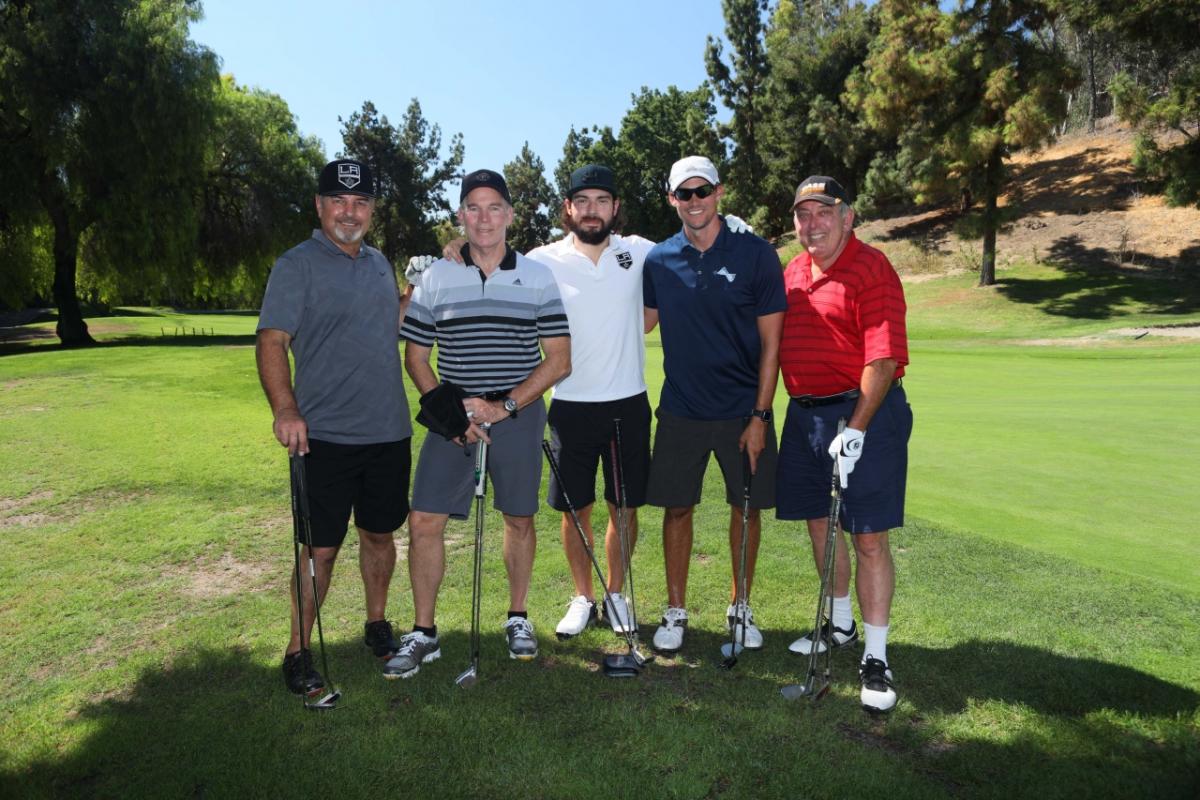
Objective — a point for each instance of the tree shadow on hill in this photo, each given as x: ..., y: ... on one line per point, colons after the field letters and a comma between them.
x: 217, y: 724
x: 1080, y: 183
x: 1092, y: 286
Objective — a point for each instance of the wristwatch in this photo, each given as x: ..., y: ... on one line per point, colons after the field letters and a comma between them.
x: 510, y: 406
x: 762, y: 413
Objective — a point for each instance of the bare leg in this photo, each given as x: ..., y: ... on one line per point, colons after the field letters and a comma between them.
x: 818, y: 531
x: 377, y: 562
x: 753, y: 536
x: 520, y: 545
x: 426, y: 562
x: 677, y: 552
x: 577, y: 558
x: 875, y: 576
x: 323, y: 560
x: 612, y: 546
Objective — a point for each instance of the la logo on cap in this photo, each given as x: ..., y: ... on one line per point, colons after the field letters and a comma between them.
x: 348, y: 175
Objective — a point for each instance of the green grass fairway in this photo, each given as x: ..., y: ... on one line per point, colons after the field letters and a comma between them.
x: 1046, y: 630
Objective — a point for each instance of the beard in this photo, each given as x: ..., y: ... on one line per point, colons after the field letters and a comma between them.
x: 586, y: 236
x: 352, y: 236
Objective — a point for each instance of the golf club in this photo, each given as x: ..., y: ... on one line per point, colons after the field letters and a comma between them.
x: 467, y: 677
x: 824, y: 597
x: 302, y: 532
x: 734, y: 647
x: 626, y: 666
x: 621, y: 666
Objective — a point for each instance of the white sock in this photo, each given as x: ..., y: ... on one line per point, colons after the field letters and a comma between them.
x: 843, y: 616
x: 876, y: 642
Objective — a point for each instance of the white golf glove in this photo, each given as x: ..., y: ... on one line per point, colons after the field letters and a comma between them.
x: 417, y: 265
x: 737, y: 224
x: 846, y: 447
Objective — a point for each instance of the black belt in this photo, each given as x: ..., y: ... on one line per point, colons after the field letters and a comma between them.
x: 813, y: 401
x: 499, y: 394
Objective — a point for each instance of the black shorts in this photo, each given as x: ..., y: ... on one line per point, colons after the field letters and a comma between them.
x: 681, y: 450
x: 581, y: 434
x: 371, y: 479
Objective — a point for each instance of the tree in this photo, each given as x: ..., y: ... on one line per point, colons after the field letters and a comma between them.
x: 532, y: 199
x: 741, y: 88
x: 104, y: 105
x: 808, y: 129
x: 410, y: 174
x: 962, y: 91
x: 660, y: 128
x: 1156, y: 85
x: 256, y: 200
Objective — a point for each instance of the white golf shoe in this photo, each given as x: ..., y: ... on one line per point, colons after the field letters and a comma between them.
x: 581, y: 612
x: 841, y: 638
x: 618, y: 614
x: 878, y: 692
x: 669, y: 636
x: 754, y: 638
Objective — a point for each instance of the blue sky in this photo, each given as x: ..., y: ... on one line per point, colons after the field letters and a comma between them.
x: 500, y: 73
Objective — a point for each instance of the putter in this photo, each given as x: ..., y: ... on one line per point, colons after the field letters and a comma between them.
x: 810, y: 688
x: 626, y: 666
x: 302, y: 532
x: 467, y: 677
x: 733, y: 647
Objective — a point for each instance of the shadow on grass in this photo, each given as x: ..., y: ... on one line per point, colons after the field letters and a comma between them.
x: 216, y: 723
x: 40, y: 341
x: 1093, y: 287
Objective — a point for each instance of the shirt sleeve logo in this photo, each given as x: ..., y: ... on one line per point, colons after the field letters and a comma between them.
x: 624, y: 260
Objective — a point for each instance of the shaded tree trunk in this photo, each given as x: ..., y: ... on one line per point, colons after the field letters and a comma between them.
x: 991, y: 221
x: 71, y: 329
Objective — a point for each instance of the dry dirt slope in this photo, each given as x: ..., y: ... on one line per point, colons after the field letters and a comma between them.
x: 1079, y: 201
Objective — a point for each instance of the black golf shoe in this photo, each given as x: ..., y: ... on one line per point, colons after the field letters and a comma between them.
x: 300, y: 675
x: 380, y: 637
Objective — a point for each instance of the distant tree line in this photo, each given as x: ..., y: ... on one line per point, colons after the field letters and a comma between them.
x: 134, y: 172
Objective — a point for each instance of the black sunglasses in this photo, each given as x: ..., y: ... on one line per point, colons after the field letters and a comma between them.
x: 683, y: 195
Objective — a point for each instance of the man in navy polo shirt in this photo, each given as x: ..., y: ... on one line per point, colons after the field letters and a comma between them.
x: 720, y: 300
x: 333, y: 301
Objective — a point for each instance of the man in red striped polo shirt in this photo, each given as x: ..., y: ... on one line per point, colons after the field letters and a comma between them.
x: 843, y: 353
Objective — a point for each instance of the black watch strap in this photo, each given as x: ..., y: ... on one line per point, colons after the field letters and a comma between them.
x: 764, y: 414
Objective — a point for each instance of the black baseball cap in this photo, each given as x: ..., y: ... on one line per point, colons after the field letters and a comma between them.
x: 482, y: 178
x: 592, y: 176
x: 821, y: 188
x: 346, y: 176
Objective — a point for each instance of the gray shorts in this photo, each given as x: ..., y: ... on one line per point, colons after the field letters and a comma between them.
x: 444, y: 482
x: 681, y: 448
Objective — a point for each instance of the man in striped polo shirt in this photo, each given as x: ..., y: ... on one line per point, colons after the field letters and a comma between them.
x: 492, y: 319
x: 843, y: 353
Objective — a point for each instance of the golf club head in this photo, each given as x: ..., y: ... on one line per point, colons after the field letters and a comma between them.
x: 621, y: 666
x: 467, y: 678
x: 641, y: 659
x: 810, y: 690
x: 328, y: 702
x: 731, y: 650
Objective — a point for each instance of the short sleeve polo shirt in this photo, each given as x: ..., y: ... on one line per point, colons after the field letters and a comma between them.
x: 851, y: 315
x: 487, y: 331
x: 708, y: 308
x: 604, y: 309
x: 343, y: 315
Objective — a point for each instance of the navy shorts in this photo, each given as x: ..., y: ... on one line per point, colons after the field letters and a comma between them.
x: 874, y: 500
x: 581, y: 436
x: 371, y: 479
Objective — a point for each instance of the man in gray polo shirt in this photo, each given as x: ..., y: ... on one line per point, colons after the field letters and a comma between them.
x: 334, y: 302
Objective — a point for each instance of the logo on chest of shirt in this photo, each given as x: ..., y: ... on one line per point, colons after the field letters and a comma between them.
x: 726, y: 274
x: 624, y: 260
x: 517, y: 282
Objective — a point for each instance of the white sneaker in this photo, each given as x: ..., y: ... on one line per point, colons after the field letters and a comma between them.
x: 878, y: 692
x: 669, y: 636
x: 581, y: 612
x: 754, y: 639
x: 618, y: 614
x: 841, y: 638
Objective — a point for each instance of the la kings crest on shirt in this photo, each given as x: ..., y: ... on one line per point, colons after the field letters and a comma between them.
x: 624, y: 259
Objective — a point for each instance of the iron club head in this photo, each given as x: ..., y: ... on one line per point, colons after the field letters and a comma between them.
x: 328, y: 702
x: 812, y: 691
x: 467, y: 678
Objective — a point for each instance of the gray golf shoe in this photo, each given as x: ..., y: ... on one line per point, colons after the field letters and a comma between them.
x: 415, y: 649
x: 522, y: 642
